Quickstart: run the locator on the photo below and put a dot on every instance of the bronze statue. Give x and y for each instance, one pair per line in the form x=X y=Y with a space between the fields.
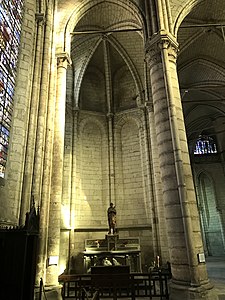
x=112 y=218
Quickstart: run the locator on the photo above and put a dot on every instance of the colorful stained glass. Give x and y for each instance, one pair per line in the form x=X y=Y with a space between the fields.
x=10 y=29
x=205 y=145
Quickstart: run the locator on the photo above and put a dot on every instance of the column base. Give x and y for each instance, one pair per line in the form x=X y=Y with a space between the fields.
x=204 y=291
x=51 y=293
x=52 y=274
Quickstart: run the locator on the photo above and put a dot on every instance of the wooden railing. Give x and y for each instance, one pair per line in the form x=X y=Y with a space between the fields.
x=80 y=287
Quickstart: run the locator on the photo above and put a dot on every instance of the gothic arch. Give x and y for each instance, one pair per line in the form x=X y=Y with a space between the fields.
x=186 y=9
x=204 y=61
x=94 y=120
x=209 y=215
x=83 y=8
x=206 y=173
x=121 y=121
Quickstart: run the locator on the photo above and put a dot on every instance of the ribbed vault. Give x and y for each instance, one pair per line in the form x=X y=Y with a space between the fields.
x=112 y=45
x=201 y=67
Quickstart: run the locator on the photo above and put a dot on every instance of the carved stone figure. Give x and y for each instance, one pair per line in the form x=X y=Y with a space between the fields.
x=112 y=218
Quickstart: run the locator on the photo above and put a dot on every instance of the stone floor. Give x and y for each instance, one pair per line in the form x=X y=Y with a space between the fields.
x=216 y=271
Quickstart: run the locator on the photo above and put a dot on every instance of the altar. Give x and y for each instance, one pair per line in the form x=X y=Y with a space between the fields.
x=112 y=251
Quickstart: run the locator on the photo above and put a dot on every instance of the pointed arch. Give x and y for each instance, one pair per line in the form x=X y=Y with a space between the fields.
x=209 y=215
x=78 y=13
x=187 y=8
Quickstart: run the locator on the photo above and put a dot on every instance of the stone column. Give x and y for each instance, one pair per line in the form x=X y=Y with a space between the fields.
x=74 y=186
x=42 y=108
x=158 y=216
x=149 y=181
x=44 y=143
x=110 y=119
x=57 y=172
x=31 y=136
x=190 y=278
x=158 y=221
x=111 y=158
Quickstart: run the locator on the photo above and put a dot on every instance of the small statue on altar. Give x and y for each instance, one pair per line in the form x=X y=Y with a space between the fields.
x=106 y=262
x=115 y=262
x=112 y=218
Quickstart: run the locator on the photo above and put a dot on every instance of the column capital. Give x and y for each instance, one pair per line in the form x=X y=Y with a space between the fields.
x=75 y=111
x=149 y=107
x=158 y=42
x=110 y=115
x=63 y=60
x=40 y=18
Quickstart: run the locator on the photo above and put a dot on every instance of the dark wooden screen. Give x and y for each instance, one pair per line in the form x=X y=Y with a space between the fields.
x=18 y=252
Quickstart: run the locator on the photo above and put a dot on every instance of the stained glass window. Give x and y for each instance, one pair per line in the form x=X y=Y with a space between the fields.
x=10 y=28
x=205 y=145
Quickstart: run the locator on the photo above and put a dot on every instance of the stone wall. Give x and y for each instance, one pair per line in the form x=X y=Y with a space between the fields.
x=86 y=209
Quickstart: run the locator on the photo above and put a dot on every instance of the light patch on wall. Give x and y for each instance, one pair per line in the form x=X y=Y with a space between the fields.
x=83 y=208
x=61 y=268
x=53 y=260
x=65 y=209
x=58 y=21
